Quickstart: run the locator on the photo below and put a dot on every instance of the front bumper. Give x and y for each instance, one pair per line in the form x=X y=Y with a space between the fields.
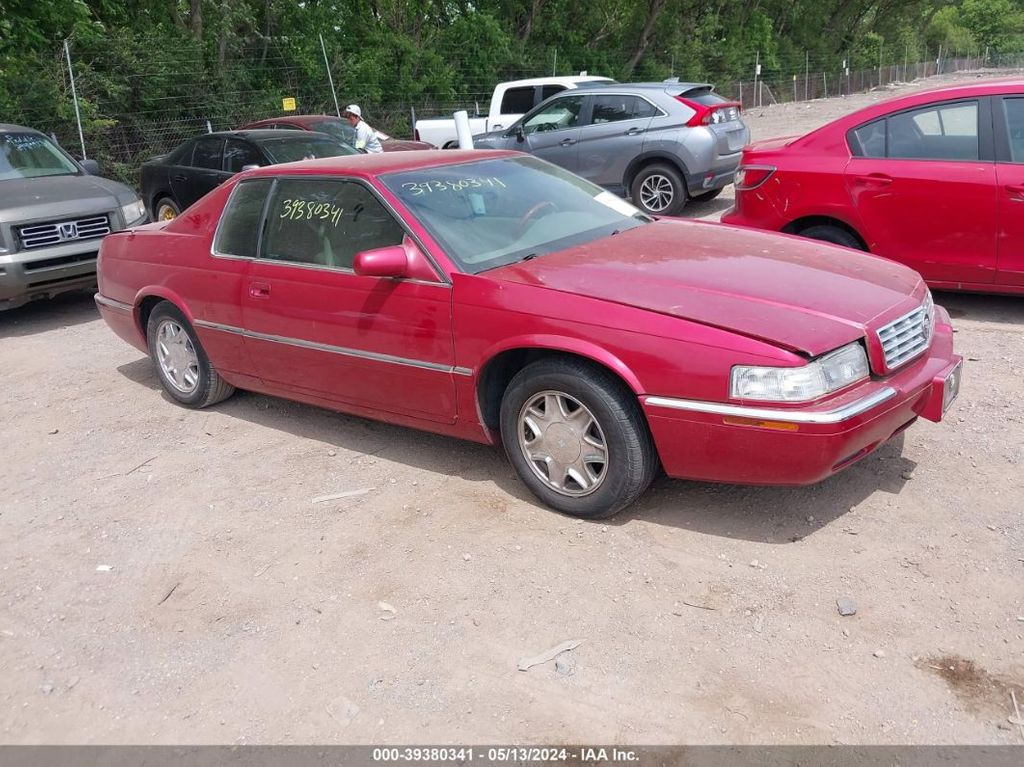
x=721 y=442
x=42 y=273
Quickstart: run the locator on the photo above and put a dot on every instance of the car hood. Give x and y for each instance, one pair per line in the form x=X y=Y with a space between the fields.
x=802 y=295
x=59 y=196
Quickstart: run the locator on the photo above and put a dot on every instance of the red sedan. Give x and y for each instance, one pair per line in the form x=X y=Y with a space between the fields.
x=335 y=126
x=933 y=180
x=498 y=298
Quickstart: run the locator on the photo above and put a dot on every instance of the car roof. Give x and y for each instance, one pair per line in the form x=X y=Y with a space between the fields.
x=258 y=134
x=380 y=163
x=12 y=128
x=575 y=79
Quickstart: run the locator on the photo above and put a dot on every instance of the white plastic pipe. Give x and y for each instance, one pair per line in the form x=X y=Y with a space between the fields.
x=462 y=130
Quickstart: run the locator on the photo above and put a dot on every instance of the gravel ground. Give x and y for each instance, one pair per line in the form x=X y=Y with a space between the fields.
x=165 y=576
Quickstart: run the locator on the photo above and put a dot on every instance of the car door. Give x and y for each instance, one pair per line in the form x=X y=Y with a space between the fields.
x=552 y=132
x=926 y=195
x=312 y=325
x=613 y=136
x=1008 y=121
x=207 y=170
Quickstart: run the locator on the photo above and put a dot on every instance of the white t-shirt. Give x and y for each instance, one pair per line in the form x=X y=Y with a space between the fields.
x=366 y=138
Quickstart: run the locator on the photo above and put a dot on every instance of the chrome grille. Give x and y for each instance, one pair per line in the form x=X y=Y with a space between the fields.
x=59 y=232
x=907 y=337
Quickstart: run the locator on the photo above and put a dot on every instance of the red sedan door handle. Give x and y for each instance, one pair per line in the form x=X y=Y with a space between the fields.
x=259 y=290
x=874 y=179
x=1016 y=192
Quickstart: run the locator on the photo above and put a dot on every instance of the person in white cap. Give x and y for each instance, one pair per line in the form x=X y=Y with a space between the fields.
x=366 y=137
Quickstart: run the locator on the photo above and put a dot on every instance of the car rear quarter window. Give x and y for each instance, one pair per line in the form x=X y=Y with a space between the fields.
x=326 y=222
x=517 y=101
x=868 y=140
x=208 y=153
x=239 y=229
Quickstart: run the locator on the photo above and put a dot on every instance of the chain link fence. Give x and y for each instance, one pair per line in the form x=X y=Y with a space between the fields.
x=134 y=110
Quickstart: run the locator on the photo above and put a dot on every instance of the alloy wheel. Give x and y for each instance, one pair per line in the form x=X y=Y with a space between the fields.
x=656 y=193
x=177 y=356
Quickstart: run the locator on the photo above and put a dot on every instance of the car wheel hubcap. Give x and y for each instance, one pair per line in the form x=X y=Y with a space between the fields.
x=563 y=443
x=166 y=213
x=177 y=356
x=656 y=192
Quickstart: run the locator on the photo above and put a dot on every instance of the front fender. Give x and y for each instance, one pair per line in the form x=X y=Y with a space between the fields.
x=575 y=346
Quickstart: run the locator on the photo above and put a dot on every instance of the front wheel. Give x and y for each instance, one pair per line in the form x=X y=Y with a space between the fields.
x=167 y=209
x=659 y=190
x=577 y=437
x=181 y=363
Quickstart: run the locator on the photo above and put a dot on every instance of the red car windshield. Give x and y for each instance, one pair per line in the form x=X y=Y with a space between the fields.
x=491 y=213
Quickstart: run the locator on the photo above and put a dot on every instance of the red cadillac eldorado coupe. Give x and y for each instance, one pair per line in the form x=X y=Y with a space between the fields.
x=495 y=297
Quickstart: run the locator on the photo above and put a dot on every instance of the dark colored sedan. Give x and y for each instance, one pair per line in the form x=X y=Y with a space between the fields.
x=335 y=126
x=172 y=182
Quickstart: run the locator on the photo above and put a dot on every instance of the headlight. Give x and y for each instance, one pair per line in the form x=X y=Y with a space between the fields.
x=132 y=212
x=826 y=374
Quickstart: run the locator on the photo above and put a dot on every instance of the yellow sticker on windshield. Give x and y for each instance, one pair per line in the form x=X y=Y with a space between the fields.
x=453 y=185
x=311 y=210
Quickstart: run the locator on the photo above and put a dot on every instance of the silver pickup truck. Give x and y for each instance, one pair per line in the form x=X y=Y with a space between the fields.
x=53 y=214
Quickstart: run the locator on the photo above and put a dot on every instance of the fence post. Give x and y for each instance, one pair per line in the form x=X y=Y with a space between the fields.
x=412 y=121
x=757 y=74
x=330 y=78
x=807 y=75
x=794 y=89
x=74 y=96
x=824 y=82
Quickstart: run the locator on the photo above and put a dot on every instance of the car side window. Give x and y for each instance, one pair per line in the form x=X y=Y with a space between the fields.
x=239 y=228
x=610 y=108
x=559 y=114
x=238 y=154
x=207 y=153
x=869 y=140
x=326 y=222
x=1013 y=111
x=943 y=132
x=517 y=101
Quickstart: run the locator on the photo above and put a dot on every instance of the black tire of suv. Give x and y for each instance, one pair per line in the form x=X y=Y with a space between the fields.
x=833 y=234
x=679 y=195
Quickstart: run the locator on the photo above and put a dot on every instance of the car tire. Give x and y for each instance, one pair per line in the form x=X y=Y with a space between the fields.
x=707 y=196
x=184 y=370
x=579 y=406
x=659 y=190
x=833 y=234
x=166 y=209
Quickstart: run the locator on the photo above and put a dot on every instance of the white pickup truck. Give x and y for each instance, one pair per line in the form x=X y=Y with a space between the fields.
x=509 y=102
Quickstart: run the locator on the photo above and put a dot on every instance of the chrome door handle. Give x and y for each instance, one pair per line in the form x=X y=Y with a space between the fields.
x=634 y=131
x=259 y=290
x=567 y=141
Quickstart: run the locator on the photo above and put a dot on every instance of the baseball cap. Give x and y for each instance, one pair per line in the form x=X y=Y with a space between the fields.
x=353 y=109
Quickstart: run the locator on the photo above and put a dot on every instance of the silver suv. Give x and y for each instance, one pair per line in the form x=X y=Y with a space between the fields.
x=53 y=214
x=658 y=143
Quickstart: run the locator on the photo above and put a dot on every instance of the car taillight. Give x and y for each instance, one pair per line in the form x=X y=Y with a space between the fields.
x=715 y=114
x=752 y=176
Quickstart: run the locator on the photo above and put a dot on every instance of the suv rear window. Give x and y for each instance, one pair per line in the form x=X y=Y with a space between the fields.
x=704 y=96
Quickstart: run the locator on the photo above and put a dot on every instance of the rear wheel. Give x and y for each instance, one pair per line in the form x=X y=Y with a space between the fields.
x=659 y=190
x=166 y=209
x=181 y=363
x=577 y=437
x=831 y=233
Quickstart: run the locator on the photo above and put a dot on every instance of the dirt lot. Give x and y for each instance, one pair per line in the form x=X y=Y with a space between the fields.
x=166 y=578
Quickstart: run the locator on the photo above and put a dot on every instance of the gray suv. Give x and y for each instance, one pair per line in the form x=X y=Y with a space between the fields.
x=658 y=143
x=53 y=214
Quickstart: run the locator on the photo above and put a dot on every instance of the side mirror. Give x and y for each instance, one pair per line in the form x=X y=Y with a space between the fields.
x=90 y=166
x=391 y=261
x=520 y=136
x=251 y=166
